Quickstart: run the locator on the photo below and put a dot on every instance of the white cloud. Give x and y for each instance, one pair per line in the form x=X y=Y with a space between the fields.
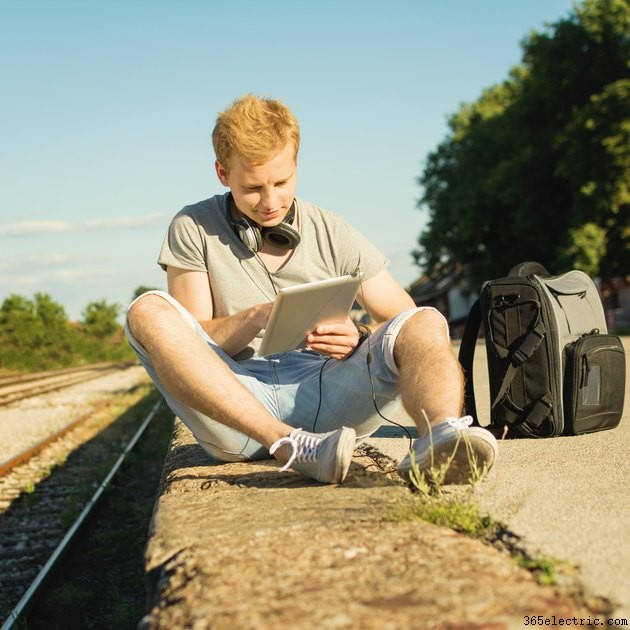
x=44 y=261
x=31 y=228
x=46 y=278
x=28 y=228
x=127 y=222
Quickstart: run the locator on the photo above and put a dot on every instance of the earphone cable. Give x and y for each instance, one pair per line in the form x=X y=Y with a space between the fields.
x=368 y=362
x=319 y=402
x=273 y=284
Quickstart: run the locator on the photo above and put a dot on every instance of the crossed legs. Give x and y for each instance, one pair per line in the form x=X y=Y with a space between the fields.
x=430 y=381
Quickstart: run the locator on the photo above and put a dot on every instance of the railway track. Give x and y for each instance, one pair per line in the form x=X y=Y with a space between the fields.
x=21 y=386
x=45 y=487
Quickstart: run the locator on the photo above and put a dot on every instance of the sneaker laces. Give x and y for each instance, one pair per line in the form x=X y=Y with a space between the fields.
x=460 y=423
x=303 y=447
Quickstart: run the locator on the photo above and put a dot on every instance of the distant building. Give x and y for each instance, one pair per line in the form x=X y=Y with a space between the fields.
x=616 y=298
x=450 y=294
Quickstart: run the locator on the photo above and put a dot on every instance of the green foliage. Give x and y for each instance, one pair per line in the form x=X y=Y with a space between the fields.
x=142 y=289
x=36 y=335
x=544 y=568
x=99 y=319
x=538 y=168
x=460 y=513
x=586 y=247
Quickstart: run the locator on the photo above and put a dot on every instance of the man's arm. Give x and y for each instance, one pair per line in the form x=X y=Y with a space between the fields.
x=192 y=290
x=383 y=298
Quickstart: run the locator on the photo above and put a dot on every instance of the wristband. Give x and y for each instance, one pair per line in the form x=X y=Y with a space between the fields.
x=364 y=332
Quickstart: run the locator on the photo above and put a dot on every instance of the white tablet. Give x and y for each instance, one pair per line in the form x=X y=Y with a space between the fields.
x=300 y=309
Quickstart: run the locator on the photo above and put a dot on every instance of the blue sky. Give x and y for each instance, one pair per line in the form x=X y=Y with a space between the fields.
x=108 y=106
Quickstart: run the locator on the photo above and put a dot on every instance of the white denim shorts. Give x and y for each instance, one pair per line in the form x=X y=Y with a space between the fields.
x=304 y=389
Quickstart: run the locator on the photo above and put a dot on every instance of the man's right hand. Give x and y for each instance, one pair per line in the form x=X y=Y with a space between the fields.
x=232 y=333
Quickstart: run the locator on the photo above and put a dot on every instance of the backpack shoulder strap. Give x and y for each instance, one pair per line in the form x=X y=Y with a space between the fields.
x=466 y=358
x=526 y=348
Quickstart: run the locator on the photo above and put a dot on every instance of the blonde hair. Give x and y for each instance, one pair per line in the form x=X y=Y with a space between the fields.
x=254 y=128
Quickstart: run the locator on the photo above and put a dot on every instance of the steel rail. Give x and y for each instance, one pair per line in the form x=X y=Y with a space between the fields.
x=25 y=377
x=38 y=390
x=94 y=371
x=35 y=588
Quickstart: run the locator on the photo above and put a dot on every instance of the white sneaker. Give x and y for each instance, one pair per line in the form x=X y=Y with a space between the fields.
x=467 y=452
x=325 y=457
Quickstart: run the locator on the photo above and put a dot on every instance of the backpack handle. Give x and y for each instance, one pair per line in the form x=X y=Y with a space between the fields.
x=529 y=268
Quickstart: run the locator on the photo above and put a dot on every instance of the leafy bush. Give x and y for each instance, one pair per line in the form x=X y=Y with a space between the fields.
x=36 y=335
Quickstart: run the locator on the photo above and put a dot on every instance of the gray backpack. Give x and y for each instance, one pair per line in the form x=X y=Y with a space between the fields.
x=552 y=366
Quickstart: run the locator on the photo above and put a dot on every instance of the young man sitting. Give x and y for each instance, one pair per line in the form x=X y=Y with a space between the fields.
x=226 y=258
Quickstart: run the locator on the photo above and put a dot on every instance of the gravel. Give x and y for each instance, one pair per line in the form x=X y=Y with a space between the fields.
x=25 y=422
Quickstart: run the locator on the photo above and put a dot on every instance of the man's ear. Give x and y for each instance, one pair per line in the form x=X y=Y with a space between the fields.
x=222 y=173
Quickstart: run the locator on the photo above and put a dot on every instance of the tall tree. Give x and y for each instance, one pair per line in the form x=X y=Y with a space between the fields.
x=538 y=168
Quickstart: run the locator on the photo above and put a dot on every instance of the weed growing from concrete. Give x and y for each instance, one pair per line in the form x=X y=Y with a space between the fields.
x=544 y=568
x=460 y=513
x=430 y=482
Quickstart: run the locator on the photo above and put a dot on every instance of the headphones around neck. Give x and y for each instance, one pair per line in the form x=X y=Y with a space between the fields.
x=283 y=235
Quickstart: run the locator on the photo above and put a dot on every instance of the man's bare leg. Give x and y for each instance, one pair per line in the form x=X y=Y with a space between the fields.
x=431 y=379
x=431 y=388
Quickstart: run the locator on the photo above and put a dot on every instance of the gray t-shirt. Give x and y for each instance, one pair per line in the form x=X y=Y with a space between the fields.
x=201 y=238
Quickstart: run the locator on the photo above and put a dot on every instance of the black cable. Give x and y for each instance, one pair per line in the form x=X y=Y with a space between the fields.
x=251 y=277
x=273 y=284
x=319 y=402
x=378 y=411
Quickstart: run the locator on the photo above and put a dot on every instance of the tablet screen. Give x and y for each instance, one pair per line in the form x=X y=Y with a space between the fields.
x=298 y=310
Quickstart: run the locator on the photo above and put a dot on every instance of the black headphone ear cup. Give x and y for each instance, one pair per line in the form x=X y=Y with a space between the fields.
x=249 y=234
x=282 y=235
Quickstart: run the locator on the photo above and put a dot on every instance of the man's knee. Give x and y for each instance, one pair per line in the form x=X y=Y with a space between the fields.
x=146 y=308
x=429 y=324
x=424 y=334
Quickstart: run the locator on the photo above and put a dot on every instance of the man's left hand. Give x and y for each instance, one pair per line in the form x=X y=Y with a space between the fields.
x=334 y=340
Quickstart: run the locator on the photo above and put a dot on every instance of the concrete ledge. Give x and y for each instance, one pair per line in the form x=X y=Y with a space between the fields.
x=244 y=546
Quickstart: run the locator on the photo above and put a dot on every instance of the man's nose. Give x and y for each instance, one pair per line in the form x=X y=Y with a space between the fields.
x=269 y=197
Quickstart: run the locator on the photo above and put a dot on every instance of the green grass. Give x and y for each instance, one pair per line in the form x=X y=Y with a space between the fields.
x=544 y=568
x=460 y=513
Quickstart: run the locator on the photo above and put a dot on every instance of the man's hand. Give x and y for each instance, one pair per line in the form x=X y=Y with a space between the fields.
x=233 y=333
x=334 y=340
x=261 y=314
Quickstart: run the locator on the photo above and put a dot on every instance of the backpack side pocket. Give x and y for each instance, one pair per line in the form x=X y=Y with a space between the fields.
x=594 y=383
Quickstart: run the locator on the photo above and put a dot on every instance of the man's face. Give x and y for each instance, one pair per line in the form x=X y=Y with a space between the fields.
x=263 y=191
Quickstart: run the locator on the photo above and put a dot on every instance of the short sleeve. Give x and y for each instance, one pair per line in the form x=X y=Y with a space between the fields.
x=183 y=245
